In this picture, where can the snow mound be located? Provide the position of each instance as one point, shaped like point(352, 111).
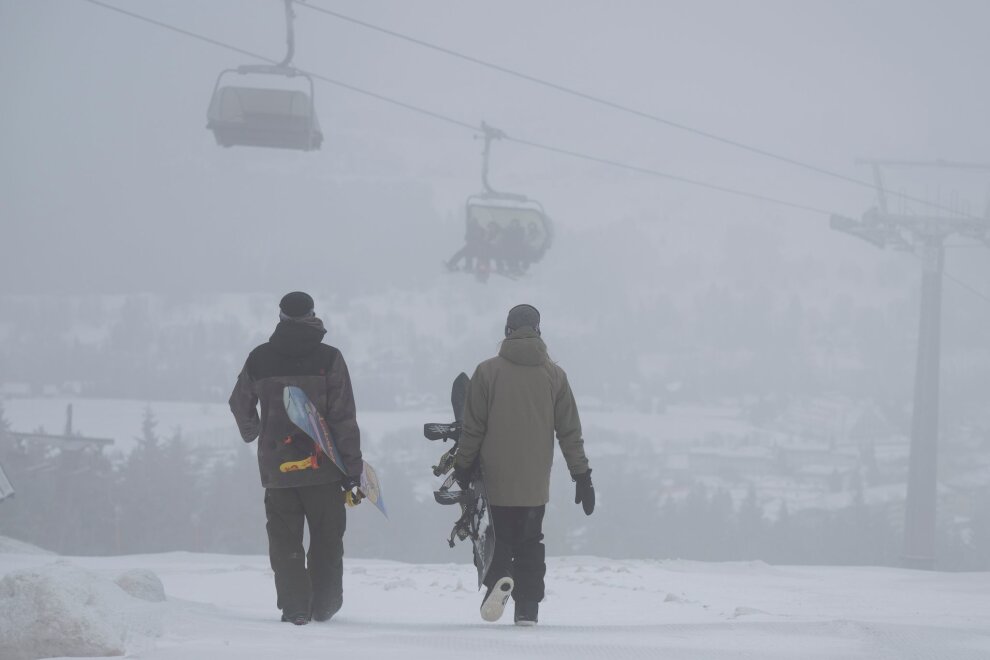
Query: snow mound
point(13, 546)
point(60, 609)
point(142, 583)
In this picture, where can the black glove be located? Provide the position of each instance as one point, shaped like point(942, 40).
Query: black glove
point(352, 490)
point(463, 477)
point(584, 491)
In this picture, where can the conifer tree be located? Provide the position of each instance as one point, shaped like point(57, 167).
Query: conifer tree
point(139, 495)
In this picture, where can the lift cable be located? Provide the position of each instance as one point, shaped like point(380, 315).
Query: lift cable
point(625, 108)
point(472, 127)
point(665, 175)
point(478, 129)
point(965, 285)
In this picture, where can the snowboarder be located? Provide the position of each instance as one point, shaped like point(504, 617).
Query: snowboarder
point(474, 240)
point(514, 245)
point(515, 403)
point(312, 489)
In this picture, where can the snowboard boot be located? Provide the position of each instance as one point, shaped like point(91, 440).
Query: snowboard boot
point(299, 619)
point(495, 599)
point(527, 612)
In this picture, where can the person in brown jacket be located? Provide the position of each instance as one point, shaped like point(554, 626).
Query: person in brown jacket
point(515, 403)
point(300, 484)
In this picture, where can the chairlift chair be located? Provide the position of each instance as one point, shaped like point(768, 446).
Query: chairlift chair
point(503, 208)
point(495, 212)
point(264, 117)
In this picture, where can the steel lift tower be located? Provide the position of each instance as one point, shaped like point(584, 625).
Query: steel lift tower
point(925, 236)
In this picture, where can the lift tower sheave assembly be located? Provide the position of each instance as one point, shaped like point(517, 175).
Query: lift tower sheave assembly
point(923, 235)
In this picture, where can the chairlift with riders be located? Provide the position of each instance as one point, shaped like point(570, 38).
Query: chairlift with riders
point(504, 231)
point(255, 116)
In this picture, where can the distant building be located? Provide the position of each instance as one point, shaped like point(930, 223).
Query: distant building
point(839, 433)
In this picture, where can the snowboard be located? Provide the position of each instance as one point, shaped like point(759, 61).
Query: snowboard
point(304, 414)
point(475, 521)
point(6, 490)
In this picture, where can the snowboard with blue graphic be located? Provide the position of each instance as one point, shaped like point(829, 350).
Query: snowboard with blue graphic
point(304, 414)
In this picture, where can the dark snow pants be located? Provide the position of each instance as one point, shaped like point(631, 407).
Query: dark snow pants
point(305, 583)
point(519, 550)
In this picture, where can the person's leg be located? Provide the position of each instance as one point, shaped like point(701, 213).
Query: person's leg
point(324, 506)
point(452, 262)
point(499, 578)
point(285, 551)
point(503, 520)
point(529, 563)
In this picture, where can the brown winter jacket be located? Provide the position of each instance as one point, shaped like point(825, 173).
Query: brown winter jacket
point(295, 355)
point(515, 403)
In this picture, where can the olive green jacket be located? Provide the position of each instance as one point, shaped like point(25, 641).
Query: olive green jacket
point(515, 404)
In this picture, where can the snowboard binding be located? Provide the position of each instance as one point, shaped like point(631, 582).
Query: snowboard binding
point(475, 520)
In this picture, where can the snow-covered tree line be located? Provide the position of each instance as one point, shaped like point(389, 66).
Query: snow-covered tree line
point(168, 495)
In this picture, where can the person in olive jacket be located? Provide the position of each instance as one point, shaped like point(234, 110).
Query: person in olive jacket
point(515, 403)
point(301, 485)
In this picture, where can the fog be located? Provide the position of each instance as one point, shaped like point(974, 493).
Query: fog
point(745, 373)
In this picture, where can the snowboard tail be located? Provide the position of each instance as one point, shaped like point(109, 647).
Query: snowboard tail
point(372, 488)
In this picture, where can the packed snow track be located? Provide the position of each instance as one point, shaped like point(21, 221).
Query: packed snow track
point(222, 606)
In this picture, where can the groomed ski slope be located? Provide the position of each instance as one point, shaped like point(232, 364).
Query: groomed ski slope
point(222, 607)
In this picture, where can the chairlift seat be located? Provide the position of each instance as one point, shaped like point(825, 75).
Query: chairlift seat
point(486, 209)
point(263, 117)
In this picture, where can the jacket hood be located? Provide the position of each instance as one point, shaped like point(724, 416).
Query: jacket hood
point(524, 347)
point(296, 338)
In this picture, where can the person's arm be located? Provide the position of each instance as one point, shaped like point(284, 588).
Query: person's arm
point(475, 423)
point(342, 417)
point(567, 424)
point(244, 404)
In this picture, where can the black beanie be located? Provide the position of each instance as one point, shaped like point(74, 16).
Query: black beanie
point(296, 304)
point(522, 316)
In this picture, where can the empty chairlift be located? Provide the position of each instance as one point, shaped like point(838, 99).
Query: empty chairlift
point(262, 116)
point(281, 116)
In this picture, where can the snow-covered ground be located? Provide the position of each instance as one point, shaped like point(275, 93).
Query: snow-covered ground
point(222, 606)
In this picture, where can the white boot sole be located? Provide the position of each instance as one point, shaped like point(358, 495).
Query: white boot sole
point(494, 605)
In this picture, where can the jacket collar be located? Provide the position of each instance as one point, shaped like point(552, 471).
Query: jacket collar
point(296, 338)
point(524, 346)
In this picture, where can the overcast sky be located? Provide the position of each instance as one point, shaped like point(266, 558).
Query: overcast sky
point(107, 170)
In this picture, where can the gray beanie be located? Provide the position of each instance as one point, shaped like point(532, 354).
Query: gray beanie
point(522, 316)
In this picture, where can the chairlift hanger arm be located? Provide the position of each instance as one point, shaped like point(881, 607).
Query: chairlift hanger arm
point(290, 35)
point(491, 133)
